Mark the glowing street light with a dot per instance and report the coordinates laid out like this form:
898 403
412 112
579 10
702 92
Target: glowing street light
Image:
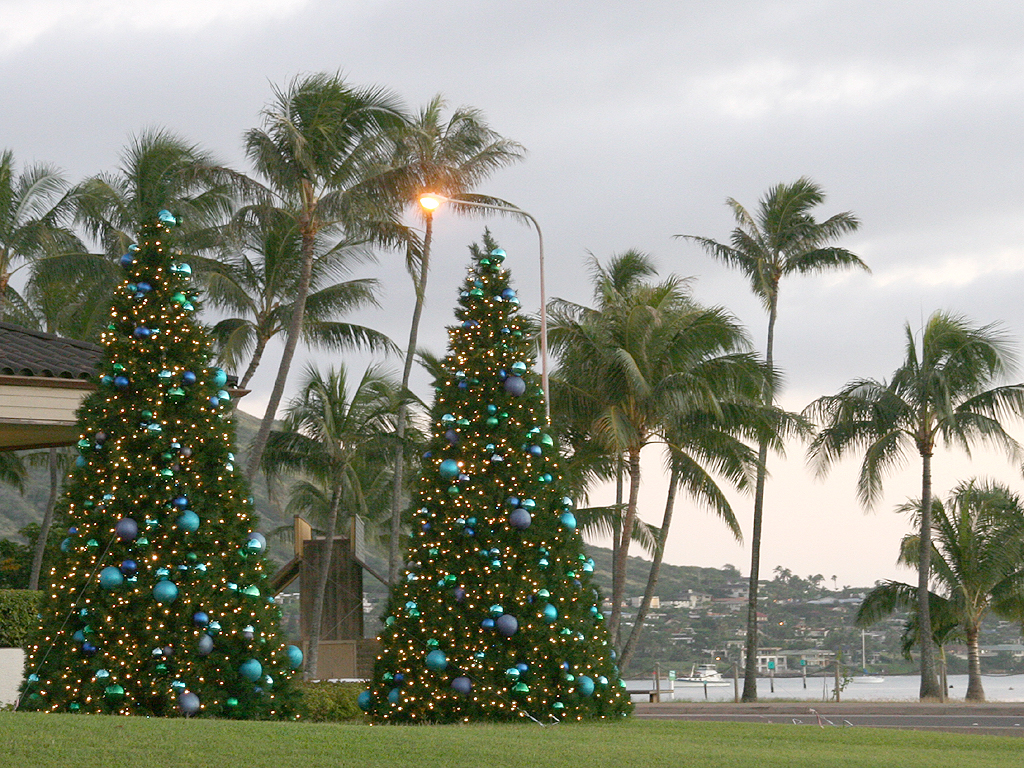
430 202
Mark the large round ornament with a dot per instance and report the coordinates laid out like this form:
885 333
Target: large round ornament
515 386
219 378
251 670
436 661
111 577
550 613
449 469
568 519
520 519
205 645
126 529
188 703
294 656
256 542
188 521
506 624
585 685
365 700
165 591
462 684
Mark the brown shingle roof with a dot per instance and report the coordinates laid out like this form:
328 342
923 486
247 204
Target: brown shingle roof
32 353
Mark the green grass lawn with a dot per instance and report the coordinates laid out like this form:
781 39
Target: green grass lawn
41 741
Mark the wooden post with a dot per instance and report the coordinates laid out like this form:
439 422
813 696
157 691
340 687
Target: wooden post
837 692
657 682
735 683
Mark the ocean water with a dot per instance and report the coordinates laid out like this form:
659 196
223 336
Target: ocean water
894 688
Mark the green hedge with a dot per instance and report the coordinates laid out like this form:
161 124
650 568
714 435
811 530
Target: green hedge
19 616
329 702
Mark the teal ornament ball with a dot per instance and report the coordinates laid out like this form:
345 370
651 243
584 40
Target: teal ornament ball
294 656
219 378
166 217
518 369
188 521
364 700
585 686
165 592
449 469
568 519
251 670
550 613
436 661
111 577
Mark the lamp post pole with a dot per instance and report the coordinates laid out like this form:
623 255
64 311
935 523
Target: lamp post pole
431 202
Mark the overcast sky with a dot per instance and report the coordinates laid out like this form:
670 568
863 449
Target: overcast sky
640 120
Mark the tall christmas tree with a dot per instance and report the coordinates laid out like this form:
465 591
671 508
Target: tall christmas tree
159 605
497 616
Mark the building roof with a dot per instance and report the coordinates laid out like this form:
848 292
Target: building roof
32 353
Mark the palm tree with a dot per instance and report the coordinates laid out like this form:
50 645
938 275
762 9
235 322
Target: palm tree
322 151
33 207
977 562
942 393
647 353
448 157
781 239
328 430
255 281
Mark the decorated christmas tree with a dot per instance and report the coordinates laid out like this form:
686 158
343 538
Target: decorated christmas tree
159 604
497 616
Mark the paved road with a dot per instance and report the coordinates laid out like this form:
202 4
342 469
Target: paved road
997 719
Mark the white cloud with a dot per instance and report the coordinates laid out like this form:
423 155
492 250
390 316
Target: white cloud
955 271
23 23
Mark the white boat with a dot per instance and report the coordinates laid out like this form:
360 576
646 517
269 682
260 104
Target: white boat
702 675
866 678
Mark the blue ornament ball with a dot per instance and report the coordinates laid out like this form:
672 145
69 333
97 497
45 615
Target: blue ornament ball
121 382
436 661
188 377
451 436
520 519
449 469
165 591
506 624
251 670
462 684
364 700
129 567
294 656
487 623
126 529
180 502
142 332
111 577
585 685
200 618
515 386
127 260
188 703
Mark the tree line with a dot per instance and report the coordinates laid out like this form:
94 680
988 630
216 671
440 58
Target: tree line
336 172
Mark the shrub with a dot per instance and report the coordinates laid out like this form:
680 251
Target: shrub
325 702
19 616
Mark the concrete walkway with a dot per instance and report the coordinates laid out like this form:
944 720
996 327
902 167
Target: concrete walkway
989 718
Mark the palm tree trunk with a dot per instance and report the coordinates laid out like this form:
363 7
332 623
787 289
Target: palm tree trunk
316 619
44 527
398 479
652 578
619 564
929 681
975 691
257 355
259 442
617 528
750 665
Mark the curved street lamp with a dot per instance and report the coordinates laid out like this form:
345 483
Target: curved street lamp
430 202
